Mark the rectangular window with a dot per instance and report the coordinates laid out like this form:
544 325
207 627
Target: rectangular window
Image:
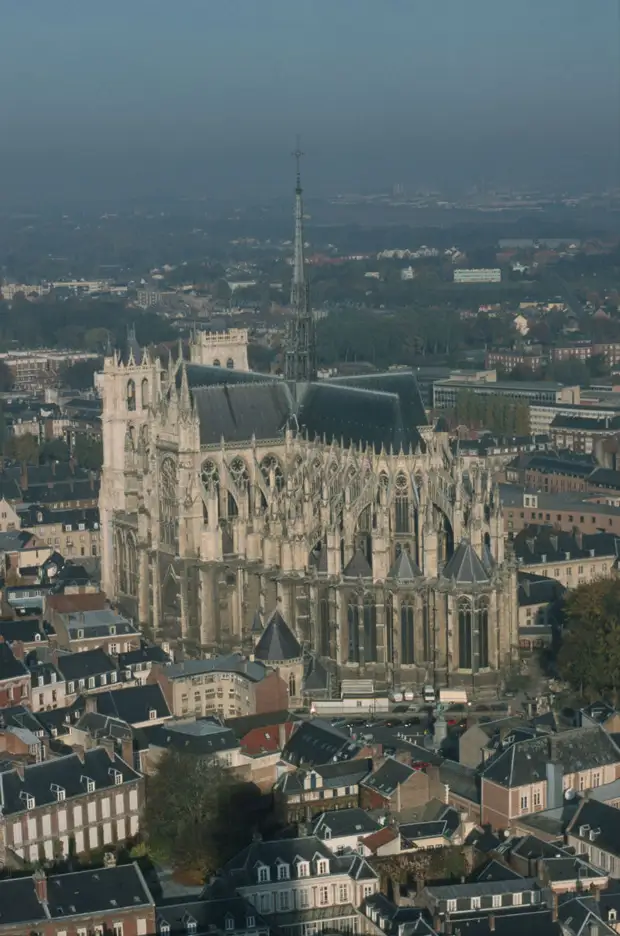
343 893
323 896
283 902
536 798
524 802
451 906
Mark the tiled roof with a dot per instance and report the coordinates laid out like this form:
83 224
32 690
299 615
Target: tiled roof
134 704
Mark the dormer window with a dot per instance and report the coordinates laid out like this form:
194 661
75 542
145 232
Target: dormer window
303 869
53 677
263 874
28 799
191 926
40 681
60 793
612 916
284 872
90 784
475 903
230 924
164 928
112 677
112 628
250 922
322 866
80 634
152 714
118 777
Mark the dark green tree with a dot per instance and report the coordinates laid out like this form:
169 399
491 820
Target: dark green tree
54 450
23 448
197 815
88 452
80 376
589 656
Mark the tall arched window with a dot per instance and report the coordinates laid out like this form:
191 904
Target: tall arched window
132 565
145 393
370 629
465 634
131 396
271 470
323 626
389 628
241 478
230 364
119 562
427 641
216 362
402 521
407 633
353 622
168 504
292 685
363 533
483 632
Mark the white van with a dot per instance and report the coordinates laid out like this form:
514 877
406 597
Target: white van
428 694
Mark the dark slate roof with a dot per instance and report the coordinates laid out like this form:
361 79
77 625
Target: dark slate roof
340 822
10 666
205 375
318 742
358 566
496 871
405 569
536 544
68 773
342 773
102 726
219 915
576 750
277 642
242 869
146 653
134 704
202 737
598 711
26 630
43 674
355 415
237 412
465 566
97 891
18 716
536 589
316 677
388 777
75 666
602 820
402 382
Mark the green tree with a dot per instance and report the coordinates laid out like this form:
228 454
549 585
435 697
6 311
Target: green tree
88 452
6 378
23 448
81 375
54 450
589 656
197 815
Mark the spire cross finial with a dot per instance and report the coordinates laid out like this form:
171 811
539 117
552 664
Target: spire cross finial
297 153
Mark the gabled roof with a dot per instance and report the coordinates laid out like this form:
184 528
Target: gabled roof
237 412
10 666
465 567
388 777
340 822
358 566
134 704
405 569
74 666
576 750
277 643
318 742
598 823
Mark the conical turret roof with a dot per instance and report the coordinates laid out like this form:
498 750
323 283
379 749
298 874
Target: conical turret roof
358 567
465 567
405 569
277 642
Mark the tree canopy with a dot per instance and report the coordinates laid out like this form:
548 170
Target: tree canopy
589 657
492 412
197 815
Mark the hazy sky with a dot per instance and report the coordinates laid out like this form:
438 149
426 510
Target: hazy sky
207 95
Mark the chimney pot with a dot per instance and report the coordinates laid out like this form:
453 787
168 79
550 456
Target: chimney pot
40 885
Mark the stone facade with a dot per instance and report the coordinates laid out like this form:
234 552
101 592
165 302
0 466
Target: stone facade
355 544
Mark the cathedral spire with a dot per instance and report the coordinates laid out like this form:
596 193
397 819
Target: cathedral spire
300 345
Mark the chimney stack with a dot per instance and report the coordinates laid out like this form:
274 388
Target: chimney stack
40 885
